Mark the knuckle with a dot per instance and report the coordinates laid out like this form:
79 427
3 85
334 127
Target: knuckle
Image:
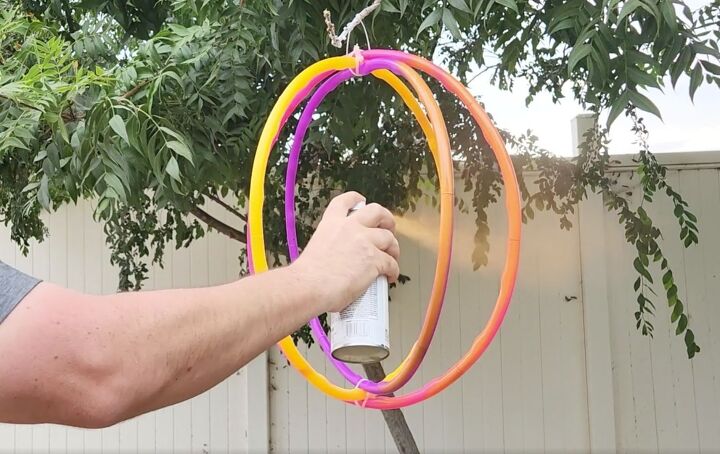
389 238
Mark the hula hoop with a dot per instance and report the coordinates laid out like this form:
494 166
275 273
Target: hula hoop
444 160
256 247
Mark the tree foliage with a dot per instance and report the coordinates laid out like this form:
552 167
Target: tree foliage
153 109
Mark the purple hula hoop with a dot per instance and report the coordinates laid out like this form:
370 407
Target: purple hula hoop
328 86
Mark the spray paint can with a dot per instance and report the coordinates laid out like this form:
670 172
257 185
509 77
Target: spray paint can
360 333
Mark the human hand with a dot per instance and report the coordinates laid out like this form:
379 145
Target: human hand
347 253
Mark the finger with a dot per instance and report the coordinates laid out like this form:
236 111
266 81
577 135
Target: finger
385 241
375 215
388 266
340 205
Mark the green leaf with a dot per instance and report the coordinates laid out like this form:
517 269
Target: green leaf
63 130
696 78
118 125
172 133
667 279
668 12
641 269
103 206
430 21
681 65
451 24
30 186
578 53
403 6
642 102
628 8
461 5
640 77
677 311
173 169
692 347
14 142
600 58
44 193
711 67
682 324
651 7
618 107
564 24
644 259
114 182
181 149
389 7
509 4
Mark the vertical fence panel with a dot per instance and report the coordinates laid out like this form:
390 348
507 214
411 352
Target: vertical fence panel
703 289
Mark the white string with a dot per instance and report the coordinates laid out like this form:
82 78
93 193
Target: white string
367 40
337 40
367 394
357 53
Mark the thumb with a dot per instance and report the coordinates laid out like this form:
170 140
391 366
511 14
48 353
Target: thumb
340 205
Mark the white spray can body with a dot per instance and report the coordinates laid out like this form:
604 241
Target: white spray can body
360 333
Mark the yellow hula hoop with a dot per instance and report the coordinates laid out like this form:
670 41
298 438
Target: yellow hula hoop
266 141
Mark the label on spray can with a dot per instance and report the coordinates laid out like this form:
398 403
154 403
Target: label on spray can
360 332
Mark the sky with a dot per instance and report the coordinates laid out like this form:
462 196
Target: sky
686 125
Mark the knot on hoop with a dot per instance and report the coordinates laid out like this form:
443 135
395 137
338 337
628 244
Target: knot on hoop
367 394
357 53
336 40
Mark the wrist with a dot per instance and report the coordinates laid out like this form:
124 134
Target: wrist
306 285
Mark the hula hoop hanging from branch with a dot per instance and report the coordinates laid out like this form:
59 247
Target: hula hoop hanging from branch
387 65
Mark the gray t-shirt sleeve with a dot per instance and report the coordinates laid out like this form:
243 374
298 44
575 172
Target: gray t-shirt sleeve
14 286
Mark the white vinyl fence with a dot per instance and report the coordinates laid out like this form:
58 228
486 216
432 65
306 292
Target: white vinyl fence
568 371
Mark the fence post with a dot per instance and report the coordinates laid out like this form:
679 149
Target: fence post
580 125
596 310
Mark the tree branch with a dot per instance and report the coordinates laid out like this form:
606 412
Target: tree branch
227 206
219 225
21 103
133 91
395 419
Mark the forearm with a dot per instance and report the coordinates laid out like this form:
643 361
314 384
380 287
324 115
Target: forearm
182 342
94 360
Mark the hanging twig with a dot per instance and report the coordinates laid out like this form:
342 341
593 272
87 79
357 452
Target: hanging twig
337 40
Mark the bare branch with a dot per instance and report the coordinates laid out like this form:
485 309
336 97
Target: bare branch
227 206
133 91
337 40
21 103
395 420
219 225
